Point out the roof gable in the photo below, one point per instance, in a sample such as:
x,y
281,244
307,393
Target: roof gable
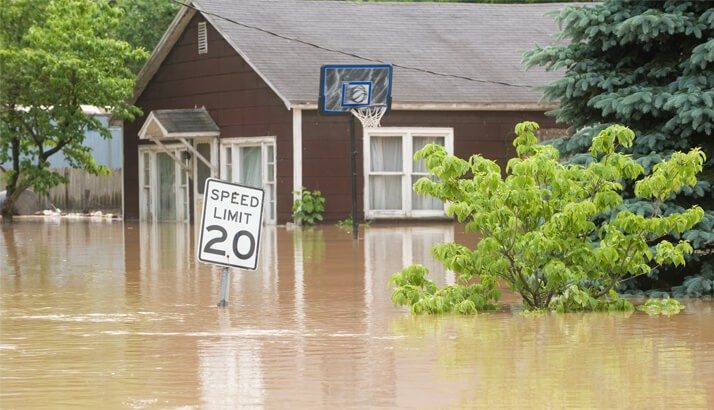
x,y
180,123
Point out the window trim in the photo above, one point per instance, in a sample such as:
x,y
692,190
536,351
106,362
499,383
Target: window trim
x,y
407,135
252,142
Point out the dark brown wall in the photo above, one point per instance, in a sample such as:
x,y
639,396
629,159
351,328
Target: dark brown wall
x,y
326,159
237,98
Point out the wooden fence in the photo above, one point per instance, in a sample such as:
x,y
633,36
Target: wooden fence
x,y
85,192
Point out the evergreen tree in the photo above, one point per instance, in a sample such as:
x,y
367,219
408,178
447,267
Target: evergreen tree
x,y
649,65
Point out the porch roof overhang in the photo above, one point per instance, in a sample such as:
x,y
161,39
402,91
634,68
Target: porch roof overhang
x,y
178,124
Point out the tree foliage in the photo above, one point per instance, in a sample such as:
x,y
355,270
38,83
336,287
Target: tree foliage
x,y
553,232
56,56
143,22
650,65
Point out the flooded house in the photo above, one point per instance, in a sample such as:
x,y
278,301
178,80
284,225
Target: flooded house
x,y
231,91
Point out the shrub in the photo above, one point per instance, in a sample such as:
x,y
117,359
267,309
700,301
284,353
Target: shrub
x,y
309,207
664,306
554,232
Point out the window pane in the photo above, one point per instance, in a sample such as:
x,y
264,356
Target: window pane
x,y
424,202
385,192
228,166
271,153
147,212
147,169
251,173
419,143
167,188
386,154
270,202
203,171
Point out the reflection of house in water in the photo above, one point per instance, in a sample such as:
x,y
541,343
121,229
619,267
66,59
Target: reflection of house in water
x,y
231,370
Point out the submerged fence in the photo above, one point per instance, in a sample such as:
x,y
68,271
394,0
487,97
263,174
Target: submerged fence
x,y
85,192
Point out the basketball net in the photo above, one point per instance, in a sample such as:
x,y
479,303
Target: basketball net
x,y
369,116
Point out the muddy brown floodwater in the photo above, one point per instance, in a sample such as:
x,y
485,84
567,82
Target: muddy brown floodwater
x,y
105,315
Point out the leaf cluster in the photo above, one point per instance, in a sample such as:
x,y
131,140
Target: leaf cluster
x,y
308,207
664,306
413,289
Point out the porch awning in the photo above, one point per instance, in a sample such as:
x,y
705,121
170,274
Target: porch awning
x,y
178,124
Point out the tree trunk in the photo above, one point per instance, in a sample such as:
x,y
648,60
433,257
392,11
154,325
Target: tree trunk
x,y
6,216
12,194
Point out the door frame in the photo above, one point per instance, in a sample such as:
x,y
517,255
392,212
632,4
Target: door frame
x,y
181,194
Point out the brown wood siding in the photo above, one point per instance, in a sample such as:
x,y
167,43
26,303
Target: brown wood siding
x,y
326,159
239,101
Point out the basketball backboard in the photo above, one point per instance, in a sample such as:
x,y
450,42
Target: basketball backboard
x,y
347,87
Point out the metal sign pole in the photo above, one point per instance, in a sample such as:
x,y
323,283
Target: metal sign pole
x,y
353,156
225,280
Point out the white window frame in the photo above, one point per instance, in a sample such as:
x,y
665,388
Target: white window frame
x,y
264,143
181,193
406,134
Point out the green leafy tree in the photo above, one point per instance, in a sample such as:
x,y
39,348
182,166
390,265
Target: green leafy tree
x,y
56,56
650,65
544,226
143,22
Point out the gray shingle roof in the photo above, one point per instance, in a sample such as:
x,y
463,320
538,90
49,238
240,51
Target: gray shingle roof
x,y
185,120
481,41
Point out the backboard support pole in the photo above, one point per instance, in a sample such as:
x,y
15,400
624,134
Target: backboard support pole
x,y
225,281
353,156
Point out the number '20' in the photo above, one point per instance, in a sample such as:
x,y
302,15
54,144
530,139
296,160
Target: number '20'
x,y
223,235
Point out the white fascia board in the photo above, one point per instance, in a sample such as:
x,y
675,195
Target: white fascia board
x,y
162,49
500,106
143,132
247,60
169,135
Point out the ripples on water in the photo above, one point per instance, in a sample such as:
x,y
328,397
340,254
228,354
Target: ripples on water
x,y
111,315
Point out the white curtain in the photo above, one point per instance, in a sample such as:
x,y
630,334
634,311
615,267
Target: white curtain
x,y
385,191
423,202
251,170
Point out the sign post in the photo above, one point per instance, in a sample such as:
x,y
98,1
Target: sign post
x,y
230,228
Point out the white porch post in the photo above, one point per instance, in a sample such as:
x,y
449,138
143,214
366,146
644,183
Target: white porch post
x,y
297,151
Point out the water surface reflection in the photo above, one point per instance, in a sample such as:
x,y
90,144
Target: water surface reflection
x,y
111,315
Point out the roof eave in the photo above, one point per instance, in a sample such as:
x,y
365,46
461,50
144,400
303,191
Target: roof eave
x,y
491,106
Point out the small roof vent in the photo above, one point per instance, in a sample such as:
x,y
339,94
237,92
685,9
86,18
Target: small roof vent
x,y
202,38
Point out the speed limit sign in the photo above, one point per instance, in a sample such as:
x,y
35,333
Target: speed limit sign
x,y
230,225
